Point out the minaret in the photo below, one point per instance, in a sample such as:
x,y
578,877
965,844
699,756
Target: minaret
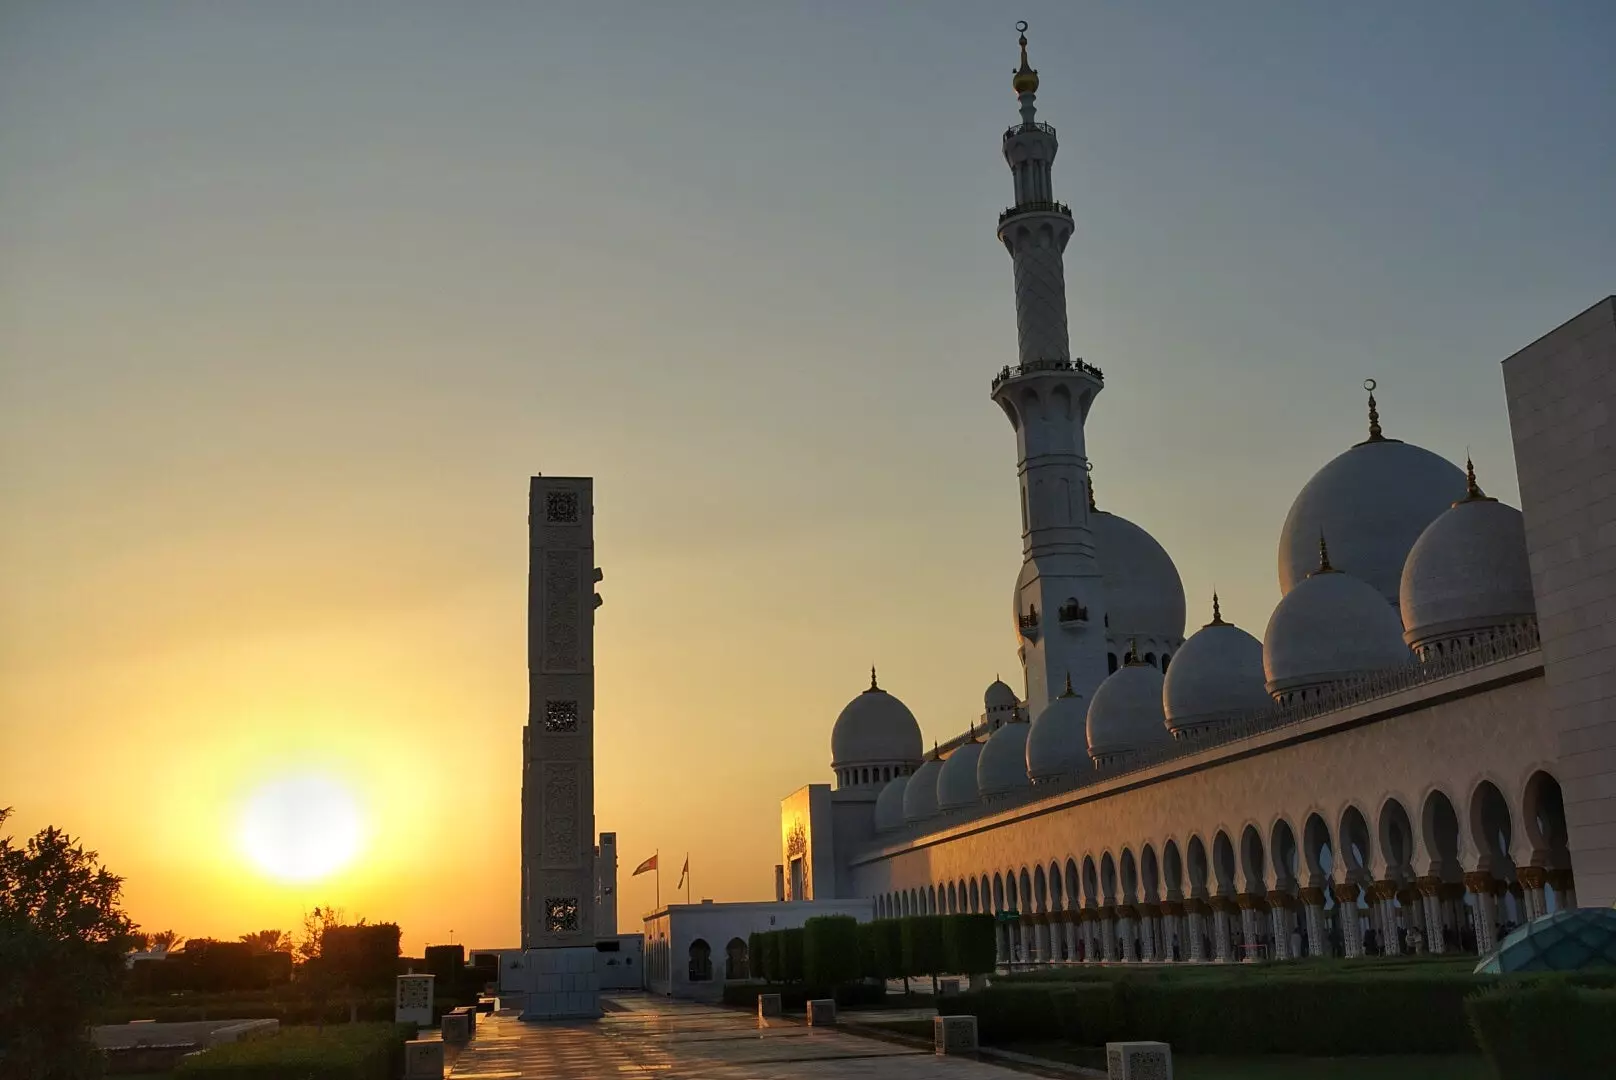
x,y
1060,608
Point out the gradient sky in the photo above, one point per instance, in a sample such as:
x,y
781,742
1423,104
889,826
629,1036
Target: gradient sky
x,y
295,296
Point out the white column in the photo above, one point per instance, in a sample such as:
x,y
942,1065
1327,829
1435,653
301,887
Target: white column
x,y
1248,930
1069,928
1197,922
1126,939
1349,919
1147,935
1108,936
1279,925
1313,920
1220,933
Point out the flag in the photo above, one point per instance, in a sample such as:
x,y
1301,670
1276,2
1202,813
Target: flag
x,y
648,864
684,873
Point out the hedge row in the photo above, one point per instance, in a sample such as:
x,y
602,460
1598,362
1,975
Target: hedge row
x,y
342,1052
833,949
333,1010
1548,1030
794,997
1327,1016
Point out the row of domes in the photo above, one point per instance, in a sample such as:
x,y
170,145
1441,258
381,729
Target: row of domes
x,y
1387,521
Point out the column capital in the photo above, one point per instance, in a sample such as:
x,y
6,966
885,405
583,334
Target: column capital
x,y
1197,905
1127,911
1562,880
1088,914
1383,890
1251,902
1481,882
1149,911
1172,907
1532,877
1222,903
1430,885
1281,899
1107,911
1346,892
1311,895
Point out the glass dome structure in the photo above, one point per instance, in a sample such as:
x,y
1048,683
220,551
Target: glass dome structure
x,y
1563,941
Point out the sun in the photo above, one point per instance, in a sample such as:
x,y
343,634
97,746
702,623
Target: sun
x,y
301,828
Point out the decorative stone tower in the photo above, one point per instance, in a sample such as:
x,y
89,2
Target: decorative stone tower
x,y
1059,604
557,971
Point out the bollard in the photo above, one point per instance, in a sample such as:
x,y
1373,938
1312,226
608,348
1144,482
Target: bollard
x,y
1138,1061
821,1012
423,1060
456,1027
768,1005
953,1034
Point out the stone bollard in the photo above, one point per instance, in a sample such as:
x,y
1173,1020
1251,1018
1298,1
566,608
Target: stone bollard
x,y
423,1060
456,1027
821,1012
946,987
768,1005
953,1034
470,1012
1138,1061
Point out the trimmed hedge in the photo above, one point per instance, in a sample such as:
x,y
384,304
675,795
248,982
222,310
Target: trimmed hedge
x,y
290,1013
970,946
794,997
341,1052
830,950
1549,1030
922,945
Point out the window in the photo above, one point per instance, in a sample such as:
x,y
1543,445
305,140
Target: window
x,y
561,914
701,961
560,716
1111,661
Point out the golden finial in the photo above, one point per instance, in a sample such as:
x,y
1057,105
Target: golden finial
x,y
1069,692
1026,80
1217,612
872,678
1473,492
1374,414
1133,653
1324,557
1088,467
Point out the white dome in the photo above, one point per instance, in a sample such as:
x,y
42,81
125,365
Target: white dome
x,y
1126,713
956,783
1468,571
1001,767
920,797
889,805
875,729
1057,742
1372,501
1330,627
1144,597
1216,676
999,696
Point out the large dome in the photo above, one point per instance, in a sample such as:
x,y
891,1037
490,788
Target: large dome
x,y
1217,676
999,697
1144,596
1002,766
956,783
1372,501
875,729
1330,627
1468,571
1126,715
920,797
1057,742
889,805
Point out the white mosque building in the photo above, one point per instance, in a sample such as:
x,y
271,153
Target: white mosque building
x,y
1381,770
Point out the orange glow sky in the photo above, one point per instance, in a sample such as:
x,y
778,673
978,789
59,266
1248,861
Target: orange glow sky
x,y
295,296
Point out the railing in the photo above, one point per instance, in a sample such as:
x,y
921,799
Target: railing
x,y
1039,206
1021,129
1505,644
1032,366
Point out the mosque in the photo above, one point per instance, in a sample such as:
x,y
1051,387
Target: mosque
x,y
1380,770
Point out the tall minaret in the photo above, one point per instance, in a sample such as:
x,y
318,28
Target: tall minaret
x,y
1060,607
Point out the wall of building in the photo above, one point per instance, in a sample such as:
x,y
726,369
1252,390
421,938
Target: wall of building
x,y
670,933
1409,751
1562,413
808,843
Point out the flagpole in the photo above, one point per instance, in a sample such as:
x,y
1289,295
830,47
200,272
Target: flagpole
x,y
687,877
659,879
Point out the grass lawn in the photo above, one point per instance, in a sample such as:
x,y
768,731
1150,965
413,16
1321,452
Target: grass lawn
x,y
1285,1067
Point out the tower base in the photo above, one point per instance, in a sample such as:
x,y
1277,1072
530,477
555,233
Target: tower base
x,y
559,984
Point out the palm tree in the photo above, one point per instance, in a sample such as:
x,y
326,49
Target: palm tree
x,y
263,942
166,940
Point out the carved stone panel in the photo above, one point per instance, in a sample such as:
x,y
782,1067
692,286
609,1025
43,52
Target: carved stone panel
x,y
563,587
559,816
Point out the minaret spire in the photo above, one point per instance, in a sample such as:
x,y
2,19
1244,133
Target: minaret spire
x,y
1046,395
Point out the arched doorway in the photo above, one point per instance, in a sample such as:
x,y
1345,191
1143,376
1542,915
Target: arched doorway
x,y
735,960
701,961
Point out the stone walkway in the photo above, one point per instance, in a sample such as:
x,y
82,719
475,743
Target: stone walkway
x,y
644,1036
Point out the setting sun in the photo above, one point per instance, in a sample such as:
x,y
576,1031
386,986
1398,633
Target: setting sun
x,y
301,828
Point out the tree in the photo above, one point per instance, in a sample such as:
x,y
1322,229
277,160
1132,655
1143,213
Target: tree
x,y
264,942
315,924
62,941
166,940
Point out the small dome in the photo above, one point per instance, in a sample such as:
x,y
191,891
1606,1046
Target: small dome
x,y
999,696
1372,501
1468,571
956,783
889,805
1001,767
1330,627
1144,596
1057,742
1126,715
875,729
920,797
1216,676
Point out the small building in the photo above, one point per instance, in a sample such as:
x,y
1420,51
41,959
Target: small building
x,y
691,950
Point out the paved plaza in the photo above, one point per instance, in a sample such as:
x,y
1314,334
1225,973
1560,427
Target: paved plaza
x,y
677,1040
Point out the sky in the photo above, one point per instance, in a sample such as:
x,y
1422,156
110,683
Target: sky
x,y
294,297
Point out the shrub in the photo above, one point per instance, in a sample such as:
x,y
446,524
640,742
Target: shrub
x,y
881,947
754,955
794,997
445,961
922,945
830,950
364,955
342,1052
969,946
789,956
1546,1030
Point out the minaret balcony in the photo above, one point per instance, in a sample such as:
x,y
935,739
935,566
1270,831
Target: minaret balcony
x,y
1033,367
1026,129
1039,207
1028,625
